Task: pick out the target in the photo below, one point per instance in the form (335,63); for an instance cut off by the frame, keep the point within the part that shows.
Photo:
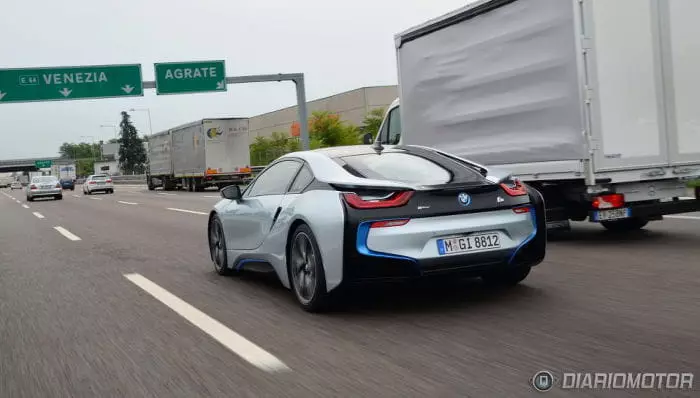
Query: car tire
(305,271)
(217,247)
(59,197)
(508,277)
(625,225)
(29,199)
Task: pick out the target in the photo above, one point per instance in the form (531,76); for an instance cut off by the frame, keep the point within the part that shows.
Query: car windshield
(44,180)
(395,166)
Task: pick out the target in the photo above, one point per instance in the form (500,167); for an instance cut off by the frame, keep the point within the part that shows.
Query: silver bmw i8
(324,218)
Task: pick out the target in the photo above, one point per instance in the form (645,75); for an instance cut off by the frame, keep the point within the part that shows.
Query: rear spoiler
(495,176)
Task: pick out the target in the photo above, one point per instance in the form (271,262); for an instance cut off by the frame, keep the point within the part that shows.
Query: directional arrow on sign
(127,89)
(65,92)
(2,94)
(220,85)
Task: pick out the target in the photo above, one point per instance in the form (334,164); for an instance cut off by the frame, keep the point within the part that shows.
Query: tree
(372,121)
(132,154)
(84,155)
(328,130)
(264,150)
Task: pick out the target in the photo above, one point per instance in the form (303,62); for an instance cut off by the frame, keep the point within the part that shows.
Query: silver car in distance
(44,186)
(324,218)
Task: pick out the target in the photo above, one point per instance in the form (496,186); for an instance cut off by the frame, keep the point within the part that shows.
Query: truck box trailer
(591,102)
(208,152)
(63,171)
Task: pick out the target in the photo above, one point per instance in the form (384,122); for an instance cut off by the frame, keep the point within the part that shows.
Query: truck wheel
(628,224)
(509,277)
(190,185)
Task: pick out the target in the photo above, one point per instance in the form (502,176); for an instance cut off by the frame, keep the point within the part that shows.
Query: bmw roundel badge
(464,199)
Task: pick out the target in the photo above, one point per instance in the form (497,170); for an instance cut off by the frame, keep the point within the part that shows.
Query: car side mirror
(367,139)
(231,192)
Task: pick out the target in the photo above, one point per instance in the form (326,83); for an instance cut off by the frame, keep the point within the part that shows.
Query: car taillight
(108,181)
(521,210)
(515,188)
(58,185)
(91,182)
(395,199)
(32,186)
(389,223)
(609,201)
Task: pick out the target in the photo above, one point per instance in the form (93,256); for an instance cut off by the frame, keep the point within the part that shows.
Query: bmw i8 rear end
(336,216)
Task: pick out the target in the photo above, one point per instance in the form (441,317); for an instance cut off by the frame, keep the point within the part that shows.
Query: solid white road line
(169,194)
(684,217)
(211,196)
(38,215)
(230,339)
(67,233)
(126,203)
(95,198)
(25,206)
(188,211)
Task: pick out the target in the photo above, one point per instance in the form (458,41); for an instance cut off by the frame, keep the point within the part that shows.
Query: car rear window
(396,166)
(100,177)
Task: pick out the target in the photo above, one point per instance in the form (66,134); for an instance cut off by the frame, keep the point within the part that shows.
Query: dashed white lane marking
(211,196)
(684,217)
(38,215)
(126,203)
(95,198)
(25,206)
(18,202)
(169,194)
(76,196)
(188,211)
(230,339)
(67,233)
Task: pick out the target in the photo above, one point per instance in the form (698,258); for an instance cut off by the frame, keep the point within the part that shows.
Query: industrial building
(351,106)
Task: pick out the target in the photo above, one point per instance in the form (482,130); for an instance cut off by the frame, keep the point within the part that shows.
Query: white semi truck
(208,152)
(592,102)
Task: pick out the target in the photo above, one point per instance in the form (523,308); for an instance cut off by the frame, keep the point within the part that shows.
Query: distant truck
(205,153)
(63,171)
(6,181)
(593,103)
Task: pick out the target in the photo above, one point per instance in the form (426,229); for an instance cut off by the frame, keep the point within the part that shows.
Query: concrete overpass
(25,165)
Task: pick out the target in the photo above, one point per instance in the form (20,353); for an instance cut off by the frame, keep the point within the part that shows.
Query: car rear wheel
(29,199)
(307,279)
(59,197)
(628,224)
(217,247)
(509,277)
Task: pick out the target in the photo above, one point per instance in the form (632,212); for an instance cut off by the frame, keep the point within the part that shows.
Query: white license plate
(612,214)
(46,186)
(100,183)
(464,244)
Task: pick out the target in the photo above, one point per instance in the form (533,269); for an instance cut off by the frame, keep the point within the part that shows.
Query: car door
(248,221)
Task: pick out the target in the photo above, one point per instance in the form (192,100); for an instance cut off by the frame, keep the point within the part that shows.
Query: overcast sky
(338,45)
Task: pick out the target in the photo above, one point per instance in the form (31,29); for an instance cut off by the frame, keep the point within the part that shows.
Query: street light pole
(147,110)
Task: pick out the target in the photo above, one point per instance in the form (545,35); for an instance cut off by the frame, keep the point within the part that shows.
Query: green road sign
(43,164)
(190,77)
(69,83)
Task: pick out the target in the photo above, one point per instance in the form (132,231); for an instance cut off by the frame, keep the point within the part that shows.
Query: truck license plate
(613,214)
(464,244)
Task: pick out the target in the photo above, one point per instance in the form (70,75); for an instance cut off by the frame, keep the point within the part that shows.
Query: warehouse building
(351,106)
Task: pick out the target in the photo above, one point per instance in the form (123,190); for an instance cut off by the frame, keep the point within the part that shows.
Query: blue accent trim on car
(441,246)
(239,264)
(530,237)
(361,244)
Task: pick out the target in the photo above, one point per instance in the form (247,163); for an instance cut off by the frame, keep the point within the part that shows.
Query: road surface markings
(188,211)
(230,339)
(211,196)
(76,196)
(684,217)
(95,198)
(126,203)
(67,233)
(169,194)
(25,206)
(38,215)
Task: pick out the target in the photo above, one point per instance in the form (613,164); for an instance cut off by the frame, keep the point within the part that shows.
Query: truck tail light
(514,188)
(609,201)
(395,199)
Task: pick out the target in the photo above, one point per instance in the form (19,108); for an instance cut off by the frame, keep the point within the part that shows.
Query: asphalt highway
(115,296)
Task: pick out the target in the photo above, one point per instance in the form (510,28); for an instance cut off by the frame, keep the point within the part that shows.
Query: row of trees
(325,130)
(132,155)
